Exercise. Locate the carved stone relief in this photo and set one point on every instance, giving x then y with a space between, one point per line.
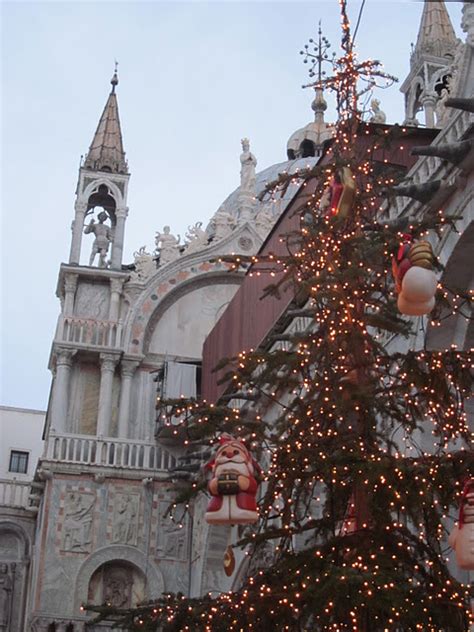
6 592
92 301
172 539
77 525
125 524
119 584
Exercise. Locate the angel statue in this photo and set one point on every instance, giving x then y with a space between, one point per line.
167 245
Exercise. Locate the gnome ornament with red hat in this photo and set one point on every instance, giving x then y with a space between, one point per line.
462 536
415 281
233 484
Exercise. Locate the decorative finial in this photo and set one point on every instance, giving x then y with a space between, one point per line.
114 81
318 55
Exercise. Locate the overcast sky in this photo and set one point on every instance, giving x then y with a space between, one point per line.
195 77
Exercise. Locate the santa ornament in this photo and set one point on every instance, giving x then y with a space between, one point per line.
233 484
415 281
338 198
462 536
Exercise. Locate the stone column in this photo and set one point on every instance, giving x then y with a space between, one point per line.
117 246
116 286
60 395
128 370
77 230
108 362
70 285
429 105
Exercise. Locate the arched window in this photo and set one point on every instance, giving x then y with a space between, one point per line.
307 149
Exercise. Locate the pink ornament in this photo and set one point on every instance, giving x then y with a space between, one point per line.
233 485
419 285
462 536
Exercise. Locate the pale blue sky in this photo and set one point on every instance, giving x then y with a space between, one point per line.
194 79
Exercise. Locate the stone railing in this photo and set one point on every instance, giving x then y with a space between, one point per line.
107 452
90 332
14 493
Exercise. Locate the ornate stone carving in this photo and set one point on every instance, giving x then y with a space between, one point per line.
125 524
264 222
122 212
6 592
70 282
64 357
167 246
377 115
171 538
144 265
102 241
108 362
128 367
116 285
77 525
117 590
196 238
223 224
92 301
245 243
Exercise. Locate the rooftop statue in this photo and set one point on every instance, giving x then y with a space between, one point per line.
247 171
197 238
167 246
102 241
144 265
378 116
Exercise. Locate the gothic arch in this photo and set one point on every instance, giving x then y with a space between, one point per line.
117 553
114 189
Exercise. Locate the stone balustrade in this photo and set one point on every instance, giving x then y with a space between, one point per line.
14 493
107 452
90 332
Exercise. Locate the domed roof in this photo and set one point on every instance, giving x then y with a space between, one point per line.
231 204
309 140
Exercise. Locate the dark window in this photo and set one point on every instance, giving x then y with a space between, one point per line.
18 462
307 149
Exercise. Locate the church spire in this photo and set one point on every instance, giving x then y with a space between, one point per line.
430 65
106 150
436 35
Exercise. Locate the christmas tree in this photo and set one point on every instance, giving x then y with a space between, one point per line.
353 513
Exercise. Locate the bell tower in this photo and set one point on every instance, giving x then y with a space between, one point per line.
90 391
428 81
103 182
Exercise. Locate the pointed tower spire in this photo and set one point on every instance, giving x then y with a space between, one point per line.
430 65
436 35
106 150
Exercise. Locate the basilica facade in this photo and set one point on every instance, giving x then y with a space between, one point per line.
94 527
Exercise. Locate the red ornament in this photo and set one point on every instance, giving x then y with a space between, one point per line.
462 536
342 191
233 485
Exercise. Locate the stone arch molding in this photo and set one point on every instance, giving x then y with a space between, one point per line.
117 553
8 527
117 194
